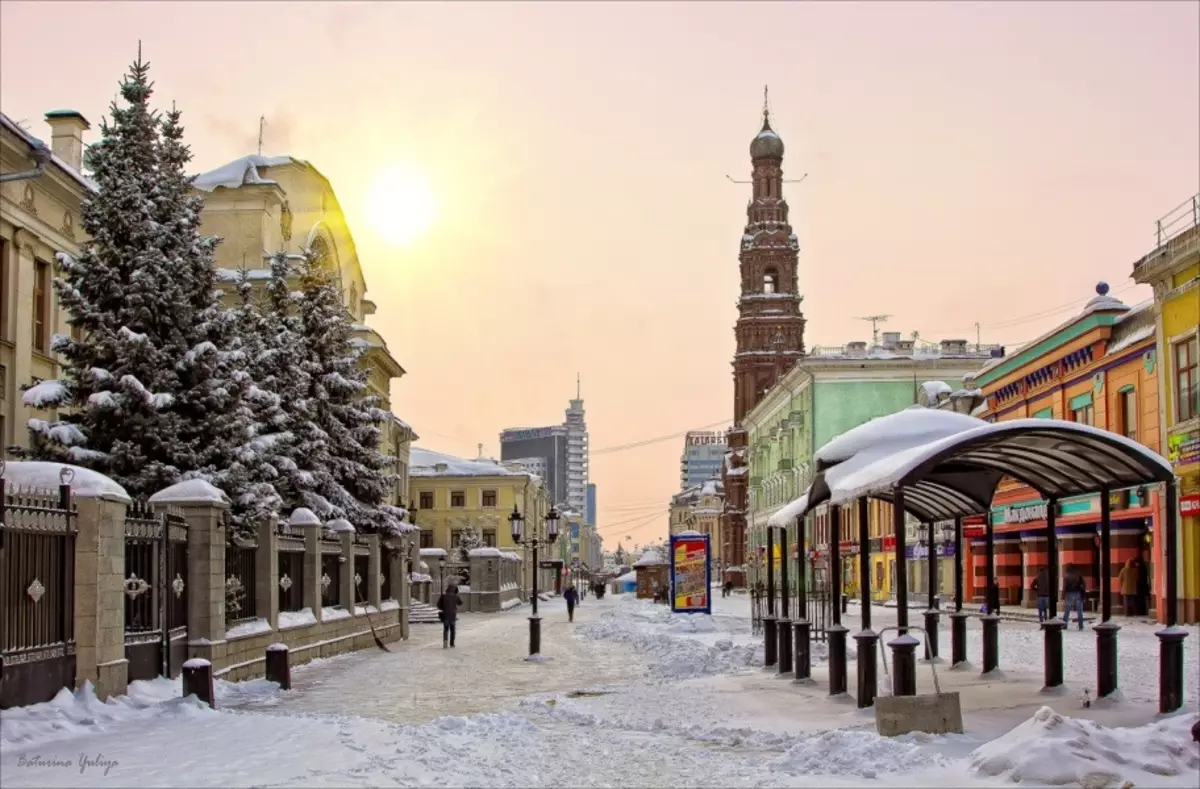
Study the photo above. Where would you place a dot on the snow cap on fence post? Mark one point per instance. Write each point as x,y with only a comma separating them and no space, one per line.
303,517
191,493
341,526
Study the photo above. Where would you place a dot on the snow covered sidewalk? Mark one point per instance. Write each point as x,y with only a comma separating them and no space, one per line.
631,695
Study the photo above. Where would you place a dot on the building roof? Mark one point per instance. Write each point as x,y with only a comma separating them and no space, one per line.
427,463
34,143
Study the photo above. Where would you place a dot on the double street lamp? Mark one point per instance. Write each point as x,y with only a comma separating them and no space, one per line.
517,522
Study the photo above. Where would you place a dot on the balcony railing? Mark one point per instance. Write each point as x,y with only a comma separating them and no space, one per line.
1178,221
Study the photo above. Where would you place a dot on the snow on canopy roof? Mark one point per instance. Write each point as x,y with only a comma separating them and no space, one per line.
957,475
190,491
649,559
240,172
41,475
427,463
789,512
913,425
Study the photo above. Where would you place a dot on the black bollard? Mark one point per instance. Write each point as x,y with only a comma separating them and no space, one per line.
784,626
958,638
1170,668
535,635
802,660
904,665
770,641
1106,658
991,642
932,619
279,669
1053,652
867,667
837,659
198,680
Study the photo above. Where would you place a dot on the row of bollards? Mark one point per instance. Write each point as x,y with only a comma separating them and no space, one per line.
198,674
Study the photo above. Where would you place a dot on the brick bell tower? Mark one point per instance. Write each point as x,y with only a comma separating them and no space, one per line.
769,328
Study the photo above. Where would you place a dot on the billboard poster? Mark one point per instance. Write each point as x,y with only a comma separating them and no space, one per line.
691,574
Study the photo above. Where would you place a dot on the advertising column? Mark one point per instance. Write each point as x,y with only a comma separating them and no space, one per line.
691,573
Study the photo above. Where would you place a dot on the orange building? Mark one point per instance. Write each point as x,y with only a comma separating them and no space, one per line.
1099,368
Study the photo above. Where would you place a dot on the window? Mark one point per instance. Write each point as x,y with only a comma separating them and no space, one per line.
426,538
1186,356
489,498
1127,407
41,306
1084,415
489,538
458,498
770,282
426,500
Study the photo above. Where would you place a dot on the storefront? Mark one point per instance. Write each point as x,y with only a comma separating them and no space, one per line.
1183,451
918,569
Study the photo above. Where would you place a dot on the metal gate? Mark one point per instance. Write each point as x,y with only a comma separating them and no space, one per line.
819,612
37,592
156,558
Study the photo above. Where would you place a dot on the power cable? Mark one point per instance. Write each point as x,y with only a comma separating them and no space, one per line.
648,441
1020,319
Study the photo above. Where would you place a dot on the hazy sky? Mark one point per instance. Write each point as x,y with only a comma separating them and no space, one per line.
966,163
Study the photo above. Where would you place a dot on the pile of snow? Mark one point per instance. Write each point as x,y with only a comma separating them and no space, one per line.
680,645
858,753
1053,750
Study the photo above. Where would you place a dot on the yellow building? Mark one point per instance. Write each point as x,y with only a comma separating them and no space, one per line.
698,508
260,205
1172,268
453,495
40,198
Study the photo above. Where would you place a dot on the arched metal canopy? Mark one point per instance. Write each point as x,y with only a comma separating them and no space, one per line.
957,475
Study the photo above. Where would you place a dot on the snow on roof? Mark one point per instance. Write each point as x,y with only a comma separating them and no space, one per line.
876,473
649,559
40,475
712,487
303,516
687,533
190,491
240,172
627,578
34,143
427,463
934,389
789,512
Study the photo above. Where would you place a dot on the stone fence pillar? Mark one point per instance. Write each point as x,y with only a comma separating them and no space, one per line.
485,579
266,573
99,619
374,576
312,570
204,507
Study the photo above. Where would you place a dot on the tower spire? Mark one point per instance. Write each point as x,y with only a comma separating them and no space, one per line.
578,387
766,108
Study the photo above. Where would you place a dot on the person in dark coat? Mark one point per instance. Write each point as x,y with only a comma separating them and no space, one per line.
1041,590
572,598
447,606
1074,590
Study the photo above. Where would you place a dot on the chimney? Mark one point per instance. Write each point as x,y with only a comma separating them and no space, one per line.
66,136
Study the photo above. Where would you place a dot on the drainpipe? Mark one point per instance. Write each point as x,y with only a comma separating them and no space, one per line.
41,157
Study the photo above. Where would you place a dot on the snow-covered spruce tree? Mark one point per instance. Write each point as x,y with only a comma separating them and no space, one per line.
343,420
468,540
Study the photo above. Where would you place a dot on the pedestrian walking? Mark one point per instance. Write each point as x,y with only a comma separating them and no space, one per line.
1128,581
1041,590
1074,590
447,606
572,598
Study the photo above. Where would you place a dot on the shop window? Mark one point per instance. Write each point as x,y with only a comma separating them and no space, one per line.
1186,360
1127,405
1084,415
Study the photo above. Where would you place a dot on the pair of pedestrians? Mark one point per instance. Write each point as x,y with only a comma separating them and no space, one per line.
1074,592
449,603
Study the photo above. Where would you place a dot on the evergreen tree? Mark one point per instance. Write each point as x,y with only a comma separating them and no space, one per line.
339,439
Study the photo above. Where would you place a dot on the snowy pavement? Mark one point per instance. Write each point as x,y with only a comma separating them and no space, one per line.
631,695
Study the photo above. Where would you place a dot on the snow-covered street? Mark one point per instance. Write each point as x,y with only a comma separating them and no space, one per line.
630,695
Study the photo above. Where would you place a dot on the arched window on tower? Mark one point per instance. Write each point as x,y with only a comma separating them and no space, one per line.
770,281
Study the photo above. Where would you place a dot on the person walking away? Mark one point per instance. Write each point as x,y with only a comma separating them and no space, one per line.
1041,590
447,606
1128,581
572,597
1143,587
1074,590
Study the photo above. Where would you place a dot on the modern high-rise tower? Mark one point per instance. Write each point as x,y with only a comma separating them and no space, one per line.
577,453
770,325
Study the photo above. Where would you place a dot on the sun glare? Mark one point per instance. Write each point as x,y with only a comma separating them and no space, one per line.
401,205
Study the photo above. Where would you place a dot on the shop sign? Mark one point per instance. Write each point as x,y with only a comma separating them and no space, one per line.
1033,512
1184,448
1190,505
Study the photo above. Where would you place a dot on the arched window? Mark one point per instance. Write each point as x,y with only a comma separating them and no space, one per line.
770,281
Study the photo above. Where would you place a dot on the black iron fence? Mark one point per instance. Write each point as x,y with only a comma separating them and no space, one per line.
331,579
240,577
291,581
155,591
386,557
361,564
37,592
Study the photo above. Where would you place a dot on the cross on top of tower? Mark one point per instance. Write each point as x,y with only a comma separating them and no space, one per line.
766,108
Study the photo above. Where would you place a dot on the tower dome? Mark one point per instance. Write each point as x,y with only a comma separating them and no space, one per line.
766,144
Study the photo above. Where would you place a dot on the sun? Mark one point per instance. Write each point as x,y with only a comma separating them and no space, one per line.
401,204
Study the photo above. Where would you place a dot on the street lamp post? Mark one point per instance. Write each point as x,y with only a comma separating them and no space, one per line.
517,523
